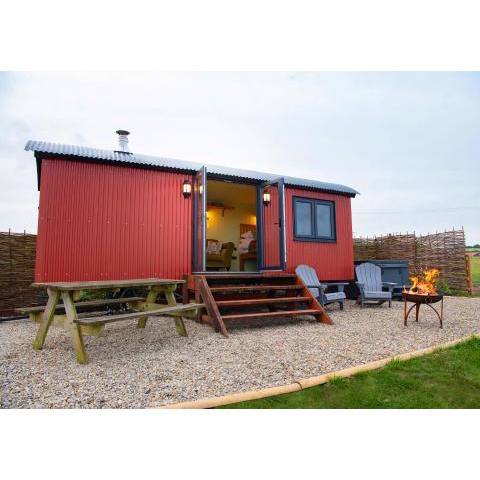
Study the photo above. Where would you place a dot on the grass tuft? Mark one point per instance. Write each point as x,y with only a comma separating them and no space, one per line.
337,380
394,363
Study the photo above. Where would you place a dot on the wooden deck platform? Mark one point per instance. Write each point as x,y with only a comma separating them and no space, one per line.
234,297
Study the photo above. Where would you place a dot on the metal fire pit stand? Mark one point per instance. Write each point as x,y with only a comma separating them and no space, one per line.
418,300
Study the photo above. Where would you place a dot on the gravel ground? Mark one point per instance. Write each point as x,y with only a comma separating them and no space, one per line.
132,368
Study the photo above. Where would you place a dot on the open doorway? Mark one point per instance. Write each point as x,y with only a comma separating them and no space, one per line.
231,227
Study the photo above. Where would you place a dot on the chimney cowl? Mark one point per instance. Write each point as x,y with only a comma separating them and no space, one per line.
123,141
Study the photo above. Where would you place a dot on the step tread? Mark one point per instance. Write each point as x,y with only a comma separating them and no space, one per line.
260,301
248,275
286,313
245,288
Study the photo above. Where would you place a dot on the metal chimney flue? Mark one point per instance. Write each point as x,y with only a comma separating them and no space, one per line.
123,141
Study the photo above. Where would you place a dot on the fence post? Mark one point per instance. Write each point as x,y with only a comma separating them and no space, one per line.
468,271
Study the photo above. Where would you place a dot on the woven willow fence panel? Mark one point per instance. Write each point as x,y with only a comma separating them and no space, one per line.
445,251
17,264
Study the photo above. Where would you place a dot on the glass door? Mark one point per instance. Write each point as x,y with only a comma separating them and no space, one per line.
199,220
271,231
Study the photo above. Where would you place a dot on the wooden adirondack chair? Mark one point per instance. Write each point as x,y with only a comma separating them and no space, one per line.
310,278
369,281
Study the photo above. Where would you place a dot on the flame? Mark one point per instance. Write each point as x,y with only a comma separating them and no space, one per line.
424,284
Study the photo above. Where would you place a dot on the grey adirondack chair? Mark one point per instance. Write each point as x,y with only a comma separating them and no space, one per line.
310,278
369,281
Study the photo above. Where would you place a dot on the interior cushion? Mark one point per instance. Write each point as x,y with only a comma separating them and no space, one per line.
248,234
214,248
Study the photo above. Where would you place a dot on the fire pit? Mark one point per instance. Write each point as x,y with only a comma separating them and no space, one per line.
422,299
423,292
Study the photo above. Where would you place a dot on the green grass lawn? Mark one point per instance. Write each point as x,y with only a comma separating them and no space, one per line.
475,263
448,378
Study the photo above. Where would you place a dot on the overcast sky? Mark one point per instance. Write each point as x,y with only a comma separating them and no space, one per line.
409,142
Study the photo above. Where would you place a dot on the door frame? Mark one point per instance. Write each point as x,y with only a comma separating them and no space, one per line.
282,229
199,200
260,186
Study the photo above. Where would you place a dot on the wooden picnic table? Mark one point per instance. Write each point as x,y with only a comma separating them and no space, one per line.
77,325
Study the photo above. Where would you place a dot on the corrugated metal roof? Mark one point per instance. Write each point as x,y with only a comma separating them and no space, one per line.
170,163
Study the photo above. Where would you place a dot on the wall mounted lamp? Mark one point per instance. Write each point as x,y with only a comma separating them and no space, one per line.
186,188
266,198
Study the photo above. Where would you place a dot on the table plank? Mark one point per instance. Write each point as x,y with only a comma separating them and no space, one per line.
101,284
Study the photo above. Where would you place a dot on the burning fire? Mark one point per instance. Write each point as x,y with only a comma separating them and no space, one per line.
424,284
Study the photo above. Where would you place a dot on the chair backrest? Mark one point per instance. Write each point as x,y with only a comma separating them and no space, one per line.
370,275
229,247
308,275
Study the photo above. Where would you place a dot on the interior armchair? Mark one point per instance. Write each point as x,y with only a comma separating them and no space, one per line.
223,259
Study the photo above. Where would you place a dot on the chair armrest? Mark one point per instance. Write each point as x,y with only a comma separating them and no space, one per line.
389,285
320,286
340,285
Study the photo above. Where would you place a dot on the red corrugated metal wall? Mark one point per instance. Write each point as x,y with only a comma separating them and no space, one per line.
332,261
100,222
271,230
105,222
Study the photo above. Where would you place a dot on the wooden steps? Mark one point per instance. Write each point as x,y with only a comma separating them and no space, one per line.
260,301
281,313
254,288
234,297
249,276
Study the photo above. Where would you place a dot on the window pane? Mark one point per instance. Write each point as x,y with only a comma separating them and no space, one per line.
324,223
303,219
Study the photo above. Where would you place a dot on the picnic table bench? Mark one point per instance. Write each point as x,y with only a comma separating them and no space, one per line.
35,313
93,323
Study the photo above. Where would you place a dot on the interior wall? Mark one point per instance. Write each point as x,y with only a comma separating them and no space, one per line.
226,228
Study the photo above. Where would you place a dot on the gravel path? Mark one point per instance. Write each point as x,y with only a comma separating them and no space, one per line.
133,368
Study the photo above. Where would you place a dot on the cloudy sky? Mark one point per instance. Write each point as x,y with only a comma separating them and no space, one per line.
409,142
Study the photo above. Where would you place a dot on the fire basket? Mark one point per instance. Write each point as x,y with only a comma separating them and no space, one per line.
422,299
423,292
